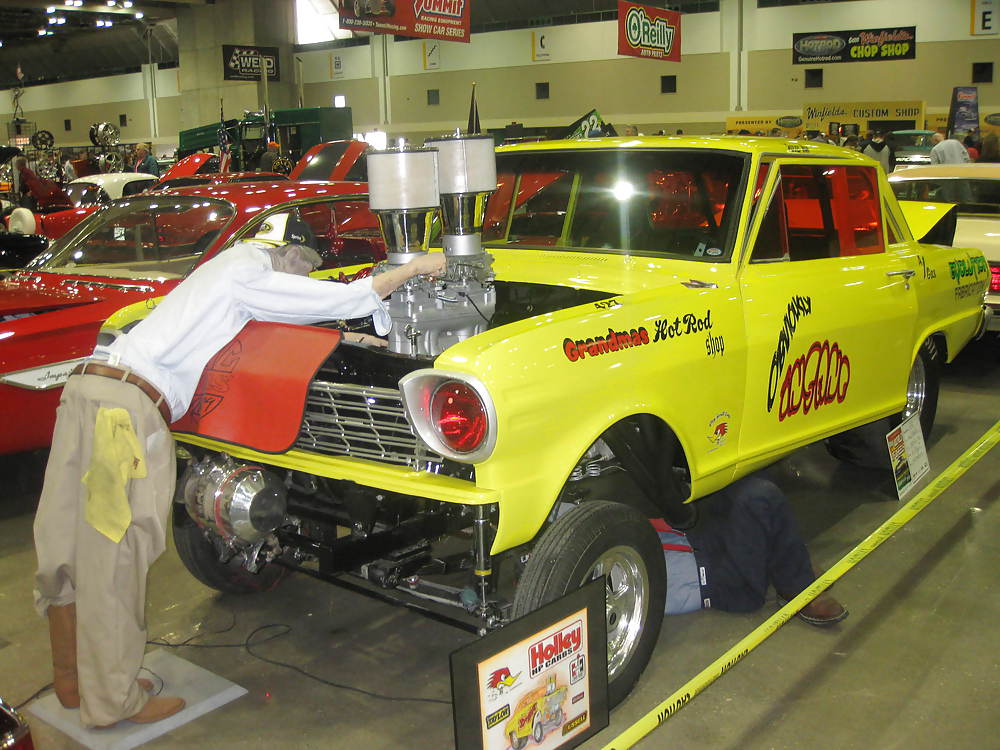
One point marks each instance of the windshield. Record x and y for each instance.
(652, 203)
(972, 196)
(153, 236)
(86, 194)
(913, 140)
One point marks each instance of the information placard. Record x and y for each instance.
(908, 455)
(542, 678)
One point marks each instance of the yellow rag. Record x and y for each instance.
(117, 458)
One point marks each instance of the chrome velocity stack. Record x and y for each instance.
(403, 193)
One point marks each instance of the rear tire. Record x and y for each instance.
(612, 539)
(865, 445)
(201, 558)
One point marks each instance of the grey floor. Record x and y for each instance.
(915, 666)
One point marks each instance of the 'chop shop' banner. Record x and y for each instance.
(428, 19)
(648, 32)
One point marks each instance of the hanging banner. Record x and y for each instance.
(427, 19)
(963, 114)
(644, 31)
(898, 43)
(242, 62)
(985, 17)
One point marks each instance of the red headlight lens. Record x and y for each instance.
(460, 416)
(994, 278)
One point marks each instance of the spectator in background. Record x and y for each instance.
(144, 161)
(970, 145)
(68, 170)
(863, 143)
(990, 149)
(851, 142)
(266, 163)
(679, 132)
(630, 130)
(775, 133)
(878, 150)
(948, 150)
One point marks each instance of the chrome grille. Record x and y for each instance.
(342, 419)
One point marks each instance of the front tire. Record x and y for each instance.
(614, 540)
(201, 558)
(865, 445)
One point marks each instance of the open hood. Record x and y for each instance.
(923, 218)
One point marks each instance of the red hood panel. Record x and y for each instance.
(17, 298)
(253, 392)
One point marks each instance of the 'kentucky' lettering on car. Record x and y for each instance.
(817, 378)
(614, 341)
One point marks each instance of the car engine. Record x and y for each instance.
(406, 186)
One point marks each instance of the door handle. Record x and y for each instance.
(906, 273)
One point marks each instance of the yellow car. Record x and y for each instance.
(652, 319)
(537, 713)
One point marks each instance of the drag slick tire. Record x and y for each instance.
(201, 558)
(865, 445)
(615, 540)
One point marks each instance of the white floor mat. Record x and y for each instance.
(202, 690)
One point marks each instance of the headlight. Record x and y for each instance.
(453, 413)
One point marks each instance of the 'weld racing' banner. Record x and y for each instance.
(428, 19)
(648, 32)
(866, 45)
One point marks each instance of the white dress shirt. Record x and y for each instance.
(171, 347)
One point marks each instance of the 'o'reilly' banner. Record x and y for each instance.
(242, 62)
(648, 32)
(428, 19)
(855, 46)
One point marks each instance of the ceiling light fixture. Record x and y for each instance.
(139, 14)
(100, 22)
(112, 3)
(41, 32)
(51, 9)
(60, 20)
(127, 4)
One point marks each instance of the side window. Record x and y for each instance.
(821, 212)
(136, 186)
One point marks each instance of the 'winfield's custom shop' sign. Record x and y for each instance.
(648, 32)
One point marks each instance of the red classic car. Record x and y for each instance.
(141, 247)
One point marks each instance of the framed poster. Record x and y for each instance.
(543, 678)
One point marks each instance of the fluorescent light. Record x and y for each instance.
(41, 32)
(139, 14)
(111, 3)
(339, 100)
(51, 9)
(127, 4)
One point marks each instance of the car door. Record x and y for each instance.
(830, 313)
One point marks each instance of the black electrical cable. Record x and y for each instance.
(473, 303)
(248, 644)
(37, 693)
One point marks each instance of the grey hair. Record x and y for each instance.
(287, 257)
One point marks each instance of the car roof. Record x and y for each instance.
(914, 132)
(968, 171)
(737, 143)
(255, 196)
(113, 178)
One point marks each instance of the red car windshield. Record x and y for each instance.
(147, 237)
(655, 203)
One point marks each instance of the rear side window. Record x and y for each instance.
(821, 211)
(135, 187)
(972, 196)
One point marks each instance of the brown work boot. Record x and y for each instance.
(62, 635)
(823, 610)
(157, 707)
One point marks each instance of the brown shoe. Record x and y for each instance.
(157, 707)
(823, 610)
(62, 636)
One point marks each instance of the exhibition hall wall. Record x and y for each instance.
(736, 60)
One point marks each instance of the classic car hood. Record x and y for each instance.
(922, 217)
(980, 232)
(19, 296)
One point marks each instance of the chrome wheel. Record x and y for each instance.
(916, 389)
(627, 594)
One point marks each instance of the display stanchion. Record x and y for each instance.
(730, 658)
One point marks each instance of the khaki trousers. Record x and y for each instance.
(77, 563)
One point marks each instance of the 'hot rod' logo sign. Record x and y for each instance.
(648, 32)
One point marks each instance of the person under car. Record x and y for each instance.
(745, 539)
(102, 515)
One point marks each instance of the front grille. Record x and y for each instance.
(342, 419)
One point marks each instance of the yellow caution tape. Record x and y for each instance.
(724, 663)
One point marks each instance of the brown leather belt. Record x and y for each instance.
(126, 376)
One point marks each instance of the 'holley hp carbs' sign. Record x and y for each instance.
(648, 32)
(864, 45)
(243, 62)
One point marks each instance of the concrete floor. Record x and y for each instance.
(916, 665)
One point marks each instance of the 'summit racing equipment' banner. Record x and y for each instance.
(855, 46)
(648, 32)
(428, 19)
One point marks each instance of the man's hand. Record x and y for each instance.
(386, 283)
(364, 338)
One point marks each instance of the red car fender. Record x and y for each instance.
(253, 392)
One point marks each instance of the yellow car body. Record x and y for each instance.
(708, 347)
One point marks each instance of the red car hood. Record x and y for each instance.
(28, 295)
